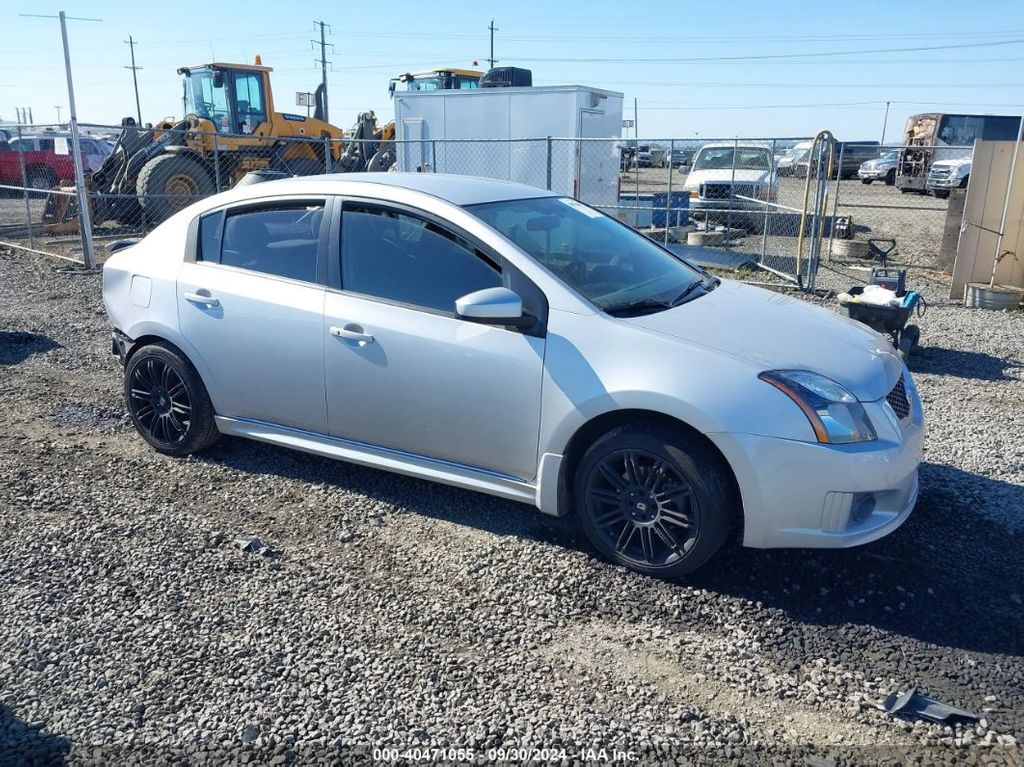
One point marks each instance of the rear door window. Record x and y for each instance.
(278, 240)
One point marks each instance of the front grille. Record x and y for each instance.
(940, 172)
(725, 191)
(898, 400)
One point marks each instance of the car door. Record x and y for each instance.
(250, 301)
(402, 372)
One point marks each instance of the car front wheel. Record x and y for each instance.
(653, 499)
(167, 401)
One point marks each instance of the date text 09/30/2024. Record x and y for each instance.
(510, 754)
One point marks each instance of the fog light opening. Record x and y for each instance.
(863, 507)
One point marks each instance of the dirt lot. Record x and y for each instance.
(392, 612)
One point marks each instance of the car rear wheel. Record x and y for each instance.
(167, 401)
(653, 499)
(890, 177)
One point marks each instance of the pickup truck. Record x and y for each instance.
(44, 169)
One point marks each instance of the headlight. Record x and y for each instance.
(835, 414)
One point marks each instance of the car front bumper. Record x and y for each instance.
(805, 495)
(720, 210)
(875, 174)
(948, 182)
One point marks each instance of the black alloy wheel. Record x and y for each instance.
(160, 402)
(643, 508)
(167, 400)
(655, 498)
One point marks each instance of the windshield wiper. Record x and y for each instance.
(647, 303)
(707, 285)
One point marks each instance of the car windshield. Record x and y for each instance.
(607, 262)
(890, 156)
(722, 158)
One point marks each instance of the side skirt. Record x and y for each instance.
(422, 467)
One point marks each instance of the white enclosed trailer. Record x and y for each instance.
(535, 135)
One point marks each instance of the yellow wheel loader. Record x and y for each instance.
(230, 128)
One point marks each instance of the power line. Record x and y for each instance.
(775, 56)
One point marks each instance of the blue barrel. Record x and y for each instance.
(678, 213)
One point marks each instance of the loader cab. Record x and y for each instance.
(236, 99)
(437, 80)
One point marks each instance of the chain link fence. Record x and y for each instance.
(734, 204)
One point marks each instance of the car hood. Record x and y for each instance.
(954, 164)
(698, 177)
(779, 332)
(873, 164)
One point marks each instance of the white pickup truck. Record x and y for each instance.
(948, 174)
(730, 184)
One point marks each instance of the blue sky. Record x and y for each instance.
(709, 69)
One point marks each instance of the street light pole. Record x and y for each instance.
(885, 122)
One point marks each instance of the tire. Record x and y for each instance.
(666, 534)
(963, 184)
(40, 179)
(941, 194)
(866, 180)
(890, 177)
(171, 182)
(168, 402)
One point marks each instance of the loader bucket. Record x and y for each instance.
(60, 213)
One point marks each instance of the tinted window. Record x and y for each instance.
(46, 144)
(606, 261)
(1001, 128)
(281, 241)
(210, 230)
(403, 258)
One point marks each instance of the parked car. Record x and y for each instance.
(679, 158)
(94, 151)
(797, 153)
(945, 175)
(644, 159)
(847, 158)
(729, 184)
(508, 340)
(880, 169)
(43, 168)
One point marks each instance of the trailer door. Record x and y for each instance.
(597, 165)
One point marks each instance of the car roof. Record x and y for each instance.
(731, 144)
(459, 190)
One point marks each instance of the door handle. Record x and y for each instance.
(199, 298)
(350, 333)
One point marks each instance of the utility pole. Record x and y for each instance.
(323, 62)
(130, 42)
(58, 108)
(885, 123)
(84, 223)
(492, 61)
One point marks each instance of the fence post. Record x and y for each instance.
(24, 190)
(433, 155)
(549, 164)
(327, 154)
(216, 162)
(727, 240)
(773, 180)
(835, 204)
(668, 200)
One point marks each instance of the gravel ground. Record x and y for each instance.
(388, 612)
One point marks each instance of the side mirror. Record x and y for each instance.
(218, 79)
(492, 306)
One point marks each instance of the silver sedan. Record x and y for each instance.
(508, 340)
